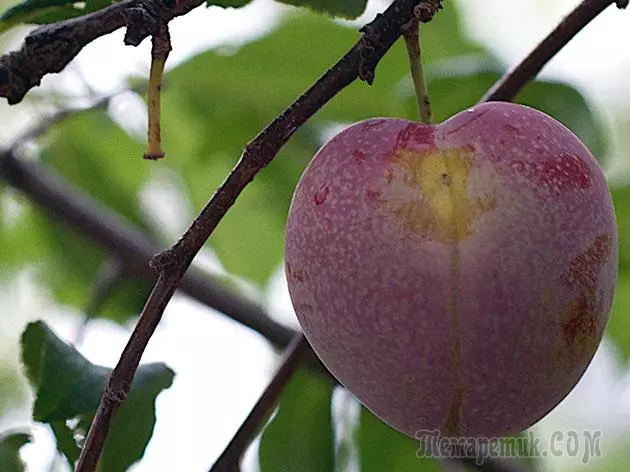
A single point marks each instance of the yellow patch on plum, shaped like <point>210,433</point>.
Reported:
<point>444,210</point>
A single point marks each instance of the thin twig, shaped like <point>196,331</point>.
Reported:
<point>119,384</point>
<point>359,62</point>
<point>509,85</point>
<point>108,278</point>
<point>229,460</point>
<point>61,201</point>
<point>50,48</point>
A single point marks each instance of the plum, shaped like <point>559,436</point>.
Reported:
<point>454,277</point>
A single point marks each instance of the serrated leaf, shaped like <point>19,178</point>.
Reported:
<point>300,435</point>
<point>133,426</point>
<point>69,387</point>
<point>10,444</point>
<point>349,9</point>
<point>41,12</point>
<point>383,448</point>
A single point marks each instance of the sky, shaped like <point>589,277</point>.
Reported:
<point>213,391</point>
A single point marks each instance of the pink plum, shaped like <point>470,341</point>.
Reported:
<point>459,276</point>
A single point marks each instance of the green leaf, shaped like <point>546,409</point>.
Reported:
<point>64,262</point>
<point>47,11</point>
<point>459,82</point>
<point>383,448</point>
<point>10,445</point>
<point>134,423</point>
<point>614,458</point>
<point>66,443</point>
<point>300,435</point>
<point>109,169</point>
<point>341,8</point>
<point>567,105</point>
<point>621,200</point>
<point>618,327</point>
<point>92,152</point>
<point>68,387</point>
<point>227,3</point>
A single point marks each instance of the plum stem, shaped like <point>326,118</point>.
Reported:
<point>161,47</point>
<point>411,34</point>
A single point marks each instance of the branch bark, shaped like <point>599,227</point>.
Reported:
<point>509,85</point>
<point>60,201</point>
<point>359,62</point>
<point>19,71</point>
<point>48,49</point>
<point>231,456</point>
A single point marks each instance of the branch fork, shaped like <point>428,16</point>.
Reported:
<point>49,49</point>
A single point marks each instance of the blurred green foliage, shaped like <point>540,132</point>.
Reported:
<point>383,448</point>
<point>459,82</point>
<point>213,104</point>
<point>41,12</point>
<point>300,435</point>
<point>619,325</point>
<point>10,445</point>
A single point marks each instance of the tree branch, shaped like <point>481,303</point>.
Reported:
<point>360,61</point>
<point>61,201</point>
<point>229,460</point>
<point>509,85</point>
<point>48,49</point>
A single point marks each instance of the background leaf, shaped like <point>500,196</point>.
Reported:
<point>227,3</point>
<point>383,448</point>
<point>63,261</point>
<point>68,387</point>
<point>300,435</point>
<point>618,327</point>
<point>342,8</point>
<point>41,12</point>
<point>209,121</point>
<point>10,444</point>
<point>459,82</point>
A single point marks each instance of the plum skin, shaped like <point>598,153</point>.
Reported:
<point>456,277</point>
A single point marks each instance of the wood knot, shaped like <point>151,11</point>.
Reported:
<point>425,11</point>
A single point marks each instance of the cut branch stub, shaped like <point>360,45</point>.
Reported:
<point>50,48</point>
